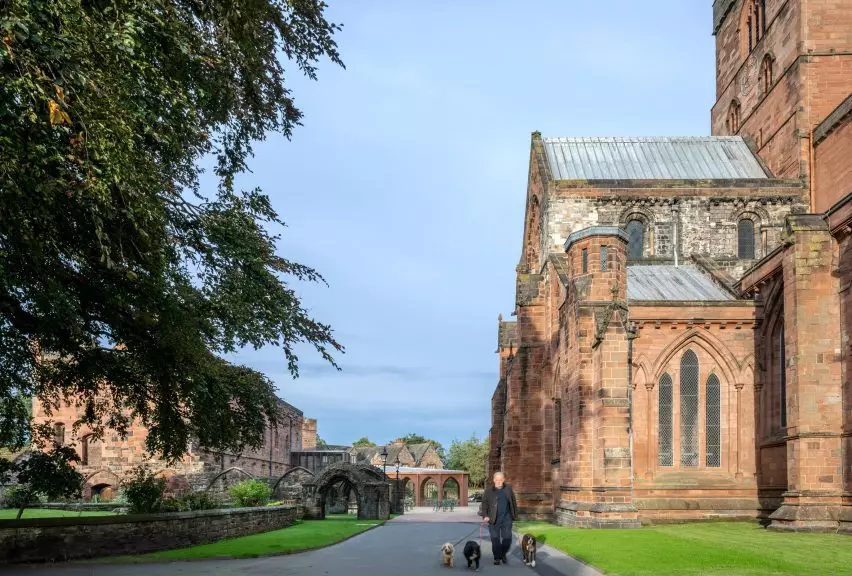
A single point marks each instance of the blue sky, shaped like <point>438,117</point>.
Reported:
<point>405,186</point>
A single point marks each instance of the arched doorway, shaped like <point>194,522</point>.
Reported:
<point>451,489</point>
<point>428,492</point>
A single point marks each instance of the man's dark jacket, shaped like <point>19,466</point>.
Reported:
<point>489,503</point>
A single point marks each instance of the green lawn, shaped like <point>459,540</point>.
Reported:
<point>305,535</point>
<point>705,549</point>
<point>10,514</point>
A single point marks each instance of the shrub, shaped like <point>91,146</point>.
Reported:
<point>201,501</point>
<point>120,498</point>
<point>144,492</point>
<point>172,505</point>
<point>251,493</point>
<point>18,496</point>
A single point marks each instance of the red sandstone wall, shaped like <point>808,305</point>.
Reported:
<point>109,459</point>
<point>724,344</point>
<point>833,160</point>
<point>768,117</point>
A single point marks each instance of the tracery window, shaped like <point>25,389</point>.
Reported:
<point>665,451</point>
<point>689,409</point>
<point>713,422</point>
<point>694,430</point>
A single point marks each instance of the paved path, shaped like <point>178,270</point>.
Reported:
<point>409,545</point>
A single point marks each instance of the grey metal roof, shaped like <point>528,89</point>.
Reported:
<point>674,283</point>
<point>698,158</point>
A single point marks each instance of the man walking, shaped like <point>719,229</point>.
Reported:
<point>499,510</point>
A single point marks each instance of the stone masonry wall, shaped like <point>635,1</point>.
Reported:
<point>706,219</point>
<point>722,336</point>
<point>63,539</point>
<point>811,52</point>
<point>106,461</point>
<point>767,116</point>
<point>833,178</point>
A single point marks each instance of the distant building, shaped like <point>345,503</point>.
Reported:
<point>421,455</point>
<point>104,462</point>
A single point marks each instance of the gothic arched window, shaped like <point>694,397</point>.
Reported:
<point>665,455</point>
<point>689,409</point>
<point>636,239</point>
<point>754,21</point>
<point>713,422</point>
<point>745,239</point>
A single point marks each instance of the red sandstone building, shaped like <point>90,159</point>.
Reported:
<point>681,348</point>
<point>105,462</point>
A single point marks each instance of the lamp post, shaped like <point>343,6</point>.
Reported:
<point>384,456</point>
<point>399,495</point>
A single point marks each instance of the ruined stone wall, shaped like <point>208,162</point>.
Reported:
<point>309,434</point>
<point>106,461</point>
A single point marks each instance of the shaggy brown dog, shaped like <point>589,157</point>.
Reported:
<point>528,545</point>
<point>447,555</point>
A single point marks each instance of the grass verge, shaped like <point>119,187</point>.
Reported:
<point>302,536</point>
<point>705,549</point>
<point>10,514</point>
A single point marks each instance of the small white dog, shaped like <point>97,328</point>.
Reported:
<point>447,555</point>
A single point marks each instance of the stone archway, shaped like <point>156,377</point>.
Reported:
<point>429,490</point>
<point>451,489</point>
<point>370,488</point>
<point>101,483</point>
<point>289,487</point>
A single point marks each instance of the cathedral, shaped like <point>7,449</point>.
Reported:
<point>680,343</point>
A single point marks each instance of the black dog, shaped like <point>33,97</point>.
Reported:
<point>472,554</point>
<point>528,548</point>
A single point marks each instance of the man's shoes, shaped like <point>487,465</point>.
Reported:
<point>496,562</point>
<point>505,561</point>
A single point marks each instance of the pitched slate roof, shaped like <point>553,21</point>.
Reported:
<point>681,158</point>
<point>419,451</point>
<point>672,283</point>
<point>364,454</point>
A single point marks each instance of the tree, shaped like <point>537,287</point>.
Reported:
<point>321,443</point>
<point>122,281</point>
<point>50,473</point>
<point>363,442</point>
<point>470,455</point>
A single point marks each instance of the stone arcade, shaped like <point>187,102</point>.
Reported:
<point>681,348</point>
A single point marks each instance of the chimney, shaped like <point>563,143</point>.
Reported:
<point>309,434</point>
